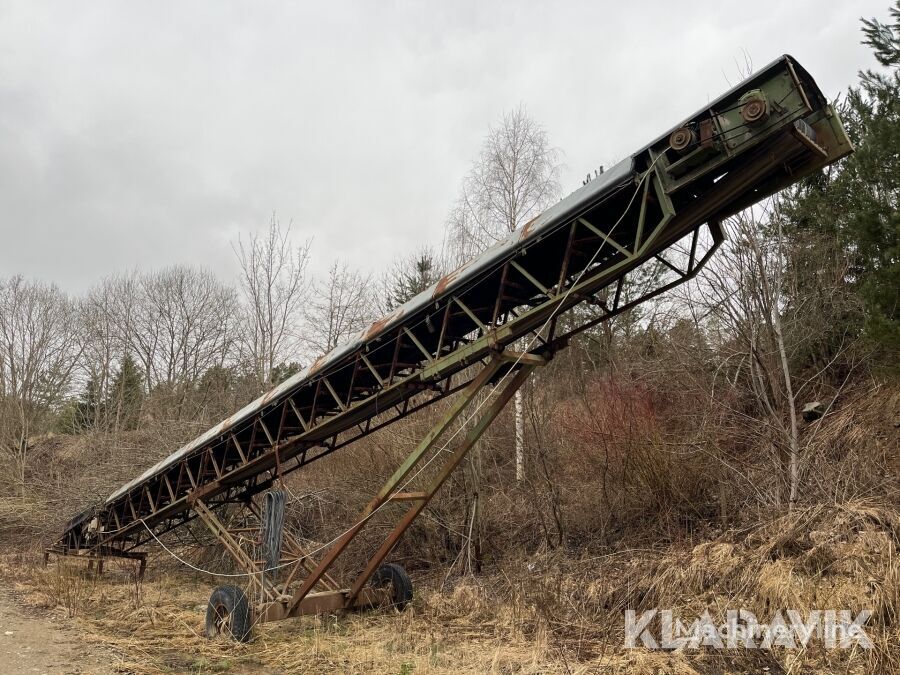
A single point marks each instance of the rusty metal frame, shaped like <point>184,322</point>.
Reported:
<point>318,591</point>
<point>98,556</point>
<point>250,460</point>
<point>580,252</point>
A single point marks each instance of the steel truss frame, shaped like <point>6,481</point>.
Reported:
<point>527,304</point>
<point>459,340</point>
<point>403,375</point>
<point>307,587</point>
<point>285,592</point>
<point>526,309</point>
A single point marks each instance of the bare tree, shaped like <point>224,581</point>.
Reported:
<point>106,318</point>
<point>515,177</point>
<point>274,284</point>
<point>341,305</point>
<point>39,347</point>
<point>180,326</point>
<point>761,328</point>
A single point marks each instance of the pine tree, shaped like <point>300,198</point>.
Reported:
<point>412,276</point>
<point>126,395</point>
<point>856,202</point>
<point>82,412</point>
<point>282,371</point>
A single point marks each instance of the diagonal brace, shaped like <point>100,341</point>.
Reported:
<point>466,397</point>
<point>494,409</point>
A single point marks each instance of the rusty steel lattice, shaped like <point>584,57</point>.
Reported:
<point>562,273</point>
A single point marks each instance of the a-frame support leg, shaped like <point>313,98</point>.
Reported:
<point>458,455</point>
<point>302,601</point>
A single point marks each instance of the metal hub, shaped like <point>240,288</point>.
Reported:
<point>682,139</point>
<point>754,107</point>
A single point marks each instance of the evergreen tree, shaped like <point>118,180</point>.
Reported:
<point>80,412</point>
<point>216,381</point>
<point>282,371</point>
<point>126,395</point>
<point>411,277</point>
<point>856,201</point>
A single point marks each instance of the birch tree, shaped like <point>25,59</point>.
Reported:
<point>514,178</point>
<point>742,291</point>
<point>340,305</point>
<point>274,284</point>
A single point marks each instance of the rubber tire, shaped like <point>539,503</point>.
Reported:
<point>394,574</point>
<point>230,600</point>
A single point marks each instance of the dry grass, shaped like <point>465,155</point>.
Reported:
<point>549,613</point>
<point>162,630</point>
<point>610,522</point>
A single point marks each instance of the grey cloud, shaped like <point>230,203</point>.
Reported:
<point>146,133</point>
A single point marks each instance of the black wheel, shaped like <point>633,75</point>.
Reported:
<point>228,613</point>
<point>392,574</point>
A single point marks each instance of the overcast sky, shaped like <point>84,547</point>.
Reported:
<point>140,134</point>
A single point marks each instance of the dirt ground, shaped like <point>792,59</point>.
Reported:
<point>32,644</point>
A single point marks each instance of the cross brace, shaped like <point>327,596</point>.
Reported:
<point>276,601</point>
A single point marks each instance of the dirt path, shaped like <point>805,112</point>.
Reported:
<point>31,644</point>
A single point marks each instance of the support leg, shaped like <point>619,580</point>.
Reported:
<point>465,398</point>
<point>359,594</point>
<point>458,455</point>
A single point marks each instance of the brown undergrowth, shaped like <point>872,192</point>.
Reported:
<point>552,611</point>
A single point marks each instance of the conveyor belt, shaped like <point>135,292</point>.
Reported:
<point>757,138</point>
